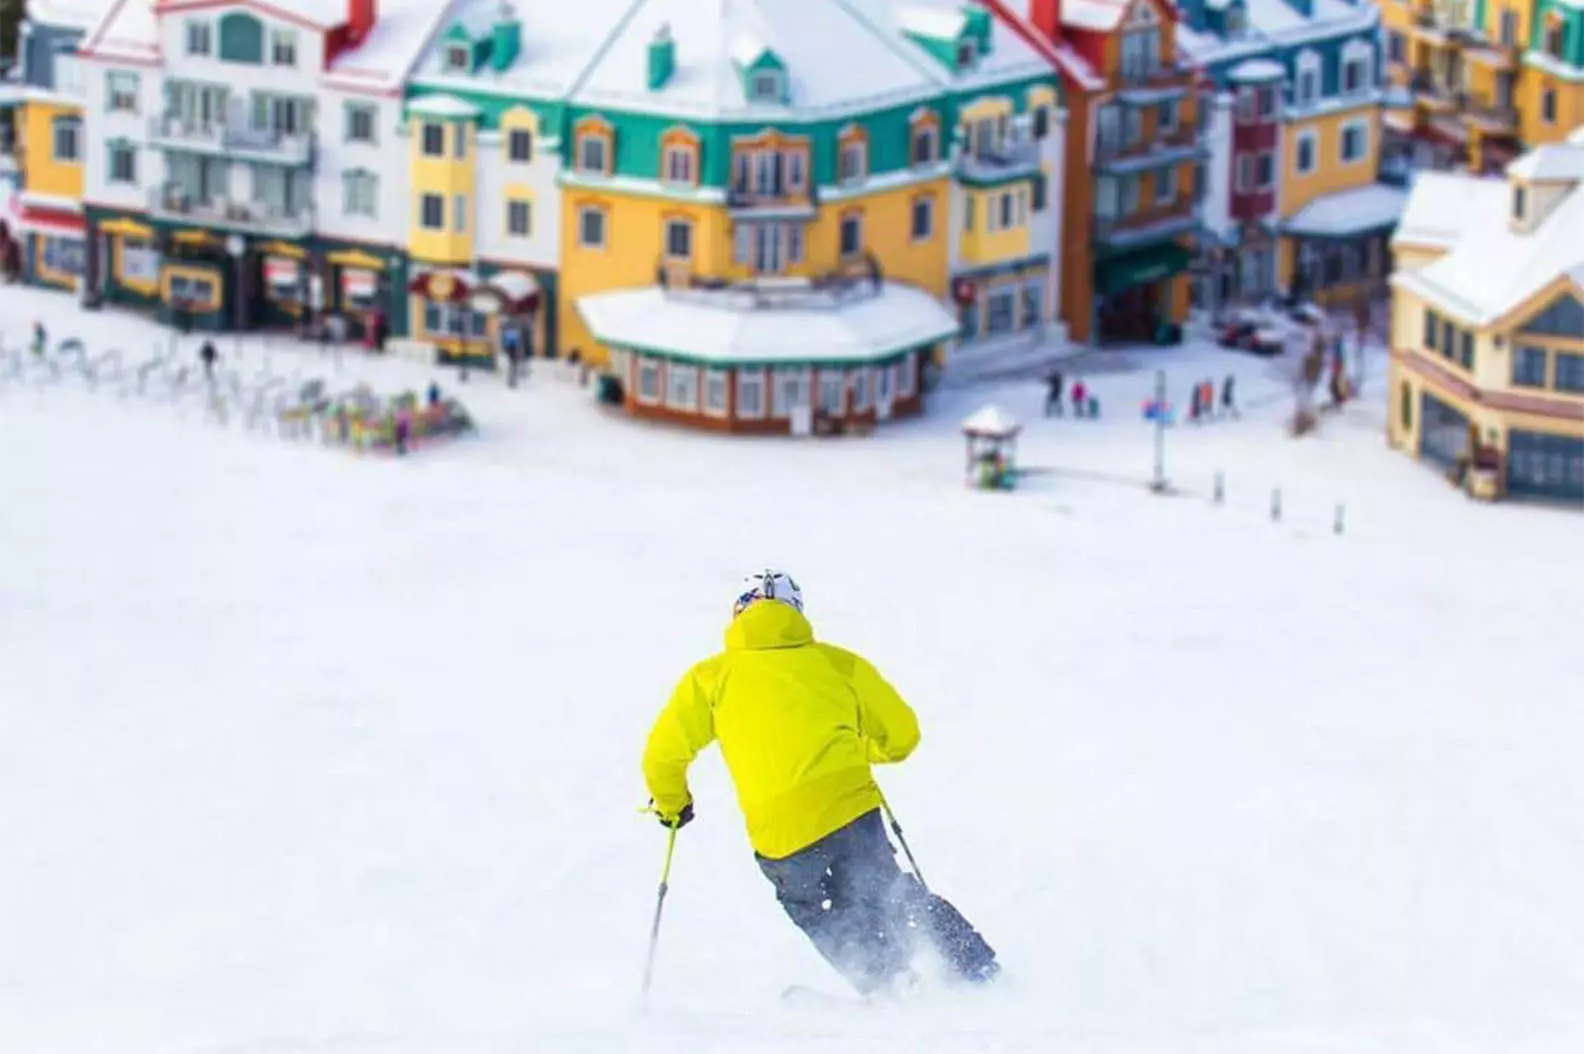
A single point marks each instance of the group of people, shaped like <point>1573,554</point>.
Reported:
<point>1203,405</point>
<point>1084,402</point>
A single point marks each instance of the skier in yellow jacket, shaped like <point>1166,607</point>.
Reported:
<point>799,723</point>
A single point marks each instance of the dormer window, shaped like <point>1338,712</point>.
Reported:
<point>967,53</point>
<point>1518,203</point>
<point>766,86</point>
<point>593,154</point>
<point>458,58</point>
<point>1234,21</point>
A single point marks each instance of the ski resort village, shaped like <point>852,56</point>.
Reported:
<point>738,526</point>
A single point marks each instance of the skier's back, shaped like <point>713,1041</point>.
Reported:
<point>799,723</point>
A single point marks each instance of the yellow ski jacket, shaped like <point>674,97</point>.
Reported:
<point>799,723</point>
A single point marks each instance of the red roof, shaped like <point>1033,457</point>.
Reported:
<point>1071,65</point>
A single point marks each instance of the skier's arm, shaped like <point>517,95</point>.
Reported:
<point>685,727</point>
<point>889,724</point>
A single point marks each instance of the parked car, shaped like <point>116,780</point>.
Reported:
<point>1258,332</point>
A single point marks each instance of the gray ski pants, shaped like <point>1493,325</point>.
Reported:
<point>864,914</point>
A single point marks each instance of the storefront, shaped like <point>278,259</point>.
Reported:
<point>1337,247</point>
<point>1135,292</point>
<point>195,281</point>
<point>126,264</point>
<point>1545,465</point>
<point>804,362</point>
<point>1443,431</point>
<point>54,246</point>
<point>442,314</point>
<point>1002,301</point>
<point>288,287</point>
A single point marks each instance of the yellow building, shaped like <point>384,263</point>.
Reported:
<point>1487,372</point>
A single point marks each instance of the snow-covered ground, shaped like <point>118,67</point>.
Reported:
<point>301,752</point>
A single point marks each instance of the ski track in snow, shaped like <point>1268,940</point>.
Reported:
<point>306,753</point>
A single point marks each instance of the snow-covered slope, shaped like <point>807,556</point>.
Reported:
<point>305,753</point>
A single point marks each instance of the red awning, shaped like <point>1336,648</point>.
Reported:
<point>441,286</point>
<point>49,220</point>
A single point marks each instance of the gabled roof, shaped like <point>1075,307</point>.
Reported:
<point>1551,163</point>
<point>1442,205</point>
<point>1073,67</point>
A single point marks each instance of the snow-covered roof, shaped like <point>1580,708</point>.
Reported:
<point>1492,268</point>
<point>991,422</point>
<point>1551,163</point>
<point>1059,55</point>
<point>1251,70</point>
<point>1347,212</point>
<point>841,56</point>
<point>1442,205</point>
<point>932,21</point>
<point>727,328</point>
<point>442,106</point>
<point>1098,15</point>
<point>1273,24</point>
<point>382,61</point>
<point>68,14</point>
<point>517,285</point>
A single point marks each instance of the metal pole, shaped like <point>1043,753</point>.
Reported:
<point>1158,484</point>
<point>654,929</point>
<point>896,829</point>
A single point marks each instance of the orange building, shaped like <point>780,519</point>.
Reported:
<point>1131,198</point>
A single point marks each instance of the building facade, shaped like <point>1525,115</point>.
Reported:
<point>244,163</point>
<point>43,104</point>
<point>1294,204</point>
<point>1481,80</point>
<point>681,151</point>
<point>1131,154</point>
<point>1487,370</point>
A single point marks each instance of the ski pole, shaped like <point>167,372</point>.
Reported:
<point>654,930</point>
<point>896,829</point>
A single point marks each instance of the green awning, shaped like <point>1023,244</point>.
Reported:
<point>1151,264</point>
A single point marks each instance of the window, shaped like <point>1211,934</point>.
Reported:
<point>1432,329</point>
<point>1466,349</point>
<point>433,138</point>
<point>591,227</point>
<point>1306,153</point>
<point>1396,46</point>
<point>854,160</point>
<point>750,394</point>
<point>1554,40</point>
<point>121,92</point>
<point>360,193</point>
<point>715,393</point>
<point>431,212</point>
<point>1509,27</point>
<point>1001,310</point>
<point>1353,142</point>
<point>906,376</point>
<point>1265,95</point>
<point>923,218</point>
<point>1563,318</point>
<point>458,58</point>
<point>1165,185</point>
<point>967,51</point>
<point>788,391</point>
<point>519,218</point>
<point>832,392</point>
<point>1264,170</point>
<point>851,234</point>
<point>1529,367</point>
<point>200,37</point>
<point>519,146</point>
<point>1245,104</point>
<point>1166,117</point>
<point>137,262</point>
<point>1355,75</point>
<point>1041,191</point>
<point>648,381</point>
<point>459,142</point>
<point>189,289</point>
<point>1569,372</point>
<point>459,214</point>
<point>924,140</point>
<point>360,119</point>
<point>765,86</point>
<point>679,239</point>
<point>794,242</point>
<point>66,139</point>
<point>123,163</point>
<point>682,387</point>
<point>794,169</point>
<point>593,153</point>
<point>1041,123</point>
<point>1548,106</point>
<point>860,390</point>
<point>1130,195</point>
<point>283,114</point>
<point>1245,173</point>
<point>1033,303</point>
<point>1005,211</point>
<point>968,212</point>
<point>678,166</point>
<point>283,48</point>
<point>1518,203</point>
<point>1405,407</point>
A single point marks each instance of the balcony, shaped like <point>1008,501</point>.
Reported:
<point>770,202</point>
<point>174,205</point>
<point>1148,226</point>
<point>1119,157</point>
<point>1491,119</point>
<point>1435,93</point>
<point>1013,159</point>
<point>218,139</point>
<point>1148,85</point>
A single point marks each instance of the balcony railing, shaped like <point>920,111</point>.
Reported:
<point>170,132</point>
<point>172,202</point>
<point>1162,75</point>
<point>1150,225</point>
<point>1491,118</point>
<point>1112,151</point>
<point>773,198</point>
<point>1010,159</point>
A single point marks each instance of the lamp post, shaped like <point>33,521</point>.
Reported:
<point>236,248</point>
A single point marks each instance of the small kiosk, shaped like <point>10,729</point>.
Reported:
<point>992,448</point>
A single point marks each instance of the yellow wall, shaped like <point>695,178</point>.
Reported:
<point>635,233</point>
<point>982,246</point>
<point>1413,257</point>
<point>1569,107</point>
<point>43,174</point>
<point>1330,175</point>
<point>447,176</point>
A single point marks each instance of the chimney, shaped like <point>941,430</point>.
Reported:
<point>360,19</point>
<point>505,39</point>
<point>1046,17</point>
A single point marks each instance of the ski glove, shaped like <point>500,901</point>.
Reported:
<point>677,822</point>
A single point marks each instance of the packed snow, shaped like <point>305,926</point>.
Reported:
<point>307,752</point>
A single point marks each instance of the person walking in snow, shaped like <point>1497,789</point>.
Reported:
<point>799,723</point>
<point>1228,397</point>
<point>207,356</point>
<point>40,339</point>
<point>1053,394</point>
<point>1194,405</point>
<point>1080,398</point>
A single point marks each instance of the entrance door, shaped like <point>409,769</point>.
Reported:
<point>1545,466</point>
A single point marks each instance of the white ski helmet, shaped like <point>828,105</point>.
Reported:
<point>768,585</point>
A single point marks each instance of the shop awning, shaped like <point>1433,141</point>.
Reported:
<point>48,221</point>
<point>441,287</point>
<point>511,292</point>
<point>1349,213</point>
<point>1139,267</point>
